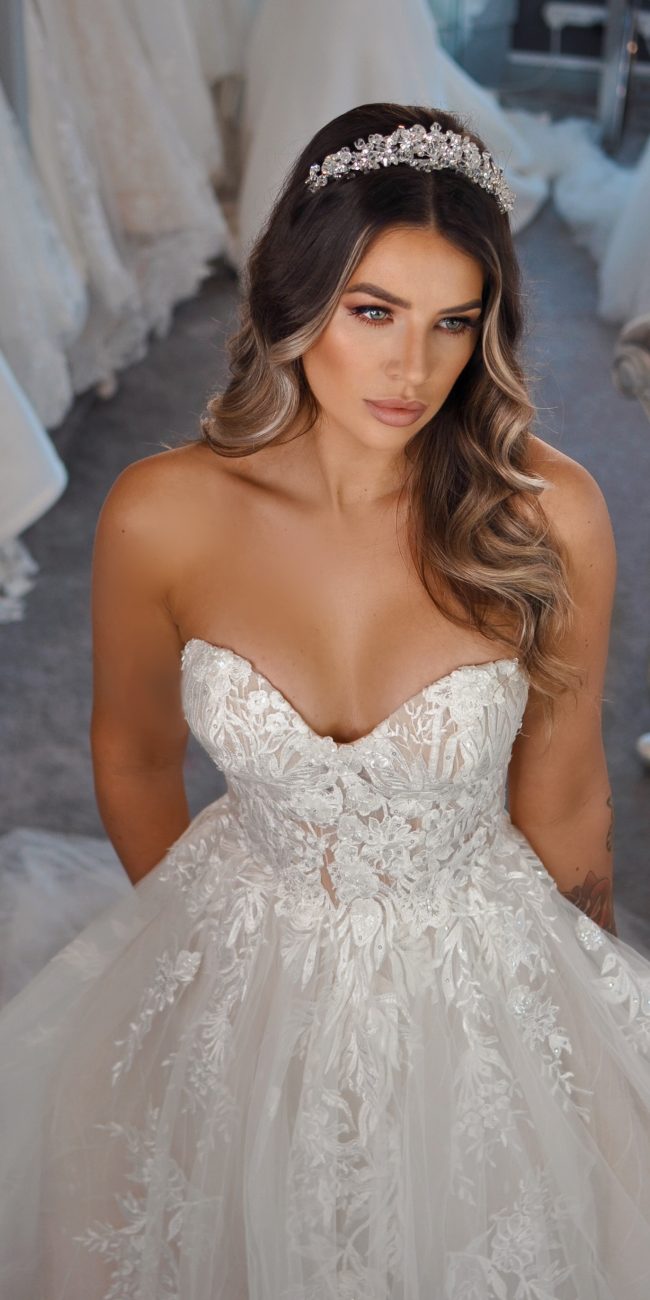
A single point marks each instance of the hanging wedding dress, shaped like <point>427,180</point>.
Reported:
<point>307,62</point>
<point>115,331</point>
<point>43,300</point>
<point>606,206</point>
<point>32,479</point>
<point>169,42</point>
<point>221,28</point>
<point>346,1040</point>
<point>624,273</point>
<point>157,198</point>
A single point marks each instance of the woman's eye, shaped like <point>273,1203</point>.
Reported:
<point>464,322</point>
<point>361,314</point>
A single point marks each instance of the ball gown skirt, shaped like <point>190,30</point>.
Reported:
<point>346,1041</point>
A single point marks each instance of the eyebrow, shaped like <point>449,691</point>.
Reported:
<point>377,292</point>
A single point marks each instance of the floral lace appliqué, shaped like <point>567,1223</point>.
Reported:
<point>174,971</point>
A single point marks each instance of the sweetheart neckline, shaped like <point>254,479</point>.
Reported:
<point>329,740</point>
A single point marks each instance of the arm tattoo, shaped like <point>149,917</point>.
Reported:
<point>594,897</point>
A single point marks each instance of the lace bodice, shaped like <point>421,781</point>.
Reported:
<point>424,789</point>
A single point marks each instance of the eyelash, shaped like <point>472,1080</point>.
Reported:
<point>467,322</point>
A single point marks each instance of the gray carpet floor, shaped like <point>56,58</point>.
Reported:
<point>45,683</point>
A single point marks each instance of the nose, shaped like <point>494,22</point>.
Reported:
<point>412,361</point>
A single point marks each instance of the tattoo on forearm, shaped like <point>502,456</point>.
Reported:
<point>611,824</point>
<point>594,897</point>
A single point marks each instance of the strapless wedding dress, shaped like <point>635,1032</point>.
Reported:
<point>347,1040</point>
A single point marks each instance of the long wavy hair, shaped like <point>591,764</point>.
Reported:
<point>476,528</point>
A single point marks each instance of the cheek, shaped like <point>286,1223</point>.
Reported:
<point>337,355</point>
<point>455,357</point>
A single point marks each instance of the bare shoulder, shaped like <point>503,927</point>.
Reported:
<point>161,516</point>
<point>163,500</point>
<point>155,482</point>
<point>574,504</point>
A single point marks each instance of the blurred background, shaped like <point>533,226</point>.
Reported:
<point>140,148</point>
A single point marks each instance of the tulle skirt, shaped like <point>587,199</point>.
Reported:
<point>211,1094</point>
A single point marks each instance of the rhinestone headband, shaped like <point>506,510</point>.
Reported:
<point>425,150</point>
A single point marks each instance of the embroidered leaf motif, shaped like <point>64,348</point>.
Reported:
<point>173,972</point>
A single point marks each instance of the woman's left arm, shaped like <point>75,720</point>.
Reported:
<point>559,791</point>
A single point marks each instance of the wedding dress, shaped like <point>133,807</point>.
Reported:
<point>33,478</point>
<point>43,299</point>
<point>624,273</point>
<point>221,28</point>
<point>346,1040</point>
<point>307,62</point>
<point>605,205</point>
<point>169,40</point>
<point>115,330</point>
<point>158,200</point>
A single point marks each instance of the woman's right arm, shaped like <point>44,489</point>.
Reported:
<point>138,732</point>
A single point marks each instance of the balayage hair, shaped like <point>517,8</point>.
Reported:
<point>475,525</point>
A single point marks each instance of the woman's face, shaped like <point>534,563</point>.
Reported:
<point>403,330</point>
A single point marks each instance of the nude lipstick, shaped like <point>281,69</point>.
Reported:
<point>395,412</point>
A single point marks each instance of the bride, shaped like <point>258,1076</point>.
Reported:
<point>357,1030</point>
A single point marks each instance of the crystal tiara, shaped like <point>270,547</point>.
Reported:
<point>425,150</point>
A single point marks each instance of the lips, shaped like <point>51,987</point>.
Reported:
<point>395,412</point>
<point>395,404</point>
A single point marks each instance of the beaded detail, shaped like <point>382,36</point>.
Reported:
<point>425,151</point>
